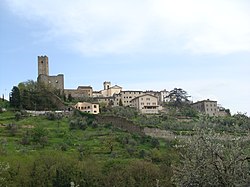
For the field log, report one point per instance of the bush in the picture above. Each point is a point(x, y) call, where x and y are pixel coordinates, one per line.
point(18, 116)
point(79, 123)
point(12, 129)
point(155, 143)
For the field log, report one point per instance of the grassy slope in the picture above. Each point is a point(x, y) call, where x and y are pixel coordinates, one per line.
point(95, 142)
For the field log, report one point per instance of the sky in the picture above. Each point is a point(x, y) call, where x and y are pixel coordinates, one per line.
point(200, 46)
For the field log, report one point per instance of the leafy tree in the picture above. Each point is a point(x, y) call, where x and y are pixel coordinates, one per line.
point(188, 111)
point(40, 136)
point(210, 160)
point(136, 173)
point(177, 97)
point(15, 100)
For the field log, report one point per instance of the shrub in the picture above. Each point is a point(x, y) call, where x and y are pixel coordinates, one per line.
point(18, 116)
point(155, 143)
point(12, 129)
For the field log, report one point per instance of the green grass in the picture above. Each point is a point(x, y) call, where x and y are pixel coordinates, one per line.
point(94, 141)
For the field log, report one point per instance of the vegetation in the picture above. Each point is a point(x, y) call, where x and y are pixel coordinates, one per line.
point(47, 151)
point(77, 149)
point(210, 159)
point(31, 95)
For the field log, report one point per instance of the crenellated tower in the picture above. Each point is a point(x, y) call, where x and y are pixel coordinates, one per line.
point(55, 81)
point(43, 65)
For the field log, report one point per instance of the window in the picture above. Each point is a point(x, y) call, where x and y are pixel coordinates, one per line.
point(142, 103)
point(141, 98)
point(88, 106)
point(94, 106)
point(148, 99)
point(94, 111)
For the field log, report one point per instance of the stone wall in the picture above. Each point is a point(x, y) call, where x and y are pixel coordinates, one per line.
point(159, 133)
point(56, 82)
point(121, 123)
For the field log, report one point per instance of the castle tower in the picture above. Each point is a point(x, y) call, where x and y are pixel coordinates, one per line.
point(43, 65)
point(106, 85)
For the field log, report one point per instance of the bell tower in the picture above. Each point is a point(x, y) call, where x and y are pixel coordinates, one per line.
point(106, 85)
point(43, 65)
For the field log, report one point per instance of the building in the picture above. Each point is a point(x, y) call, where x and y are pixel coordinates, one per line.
point(109, 90)
point(146, 104)
point(105, 101)
point(164, 96)
point(55, 82)
point(206, 107)
point(80, 92)
point(92, 108)
point(125, 97)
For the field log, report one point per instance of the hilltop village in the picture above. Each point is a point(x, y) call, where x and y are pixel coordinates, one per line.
point(146, 102)
point(54, 136)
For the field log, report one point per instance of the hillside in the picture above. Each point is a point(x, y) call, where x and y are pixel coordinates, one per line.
point(78, 139)
point(58, 149)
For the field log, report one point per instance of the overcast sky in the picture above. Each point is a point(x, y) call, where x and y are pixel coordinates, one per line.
point(201, 46)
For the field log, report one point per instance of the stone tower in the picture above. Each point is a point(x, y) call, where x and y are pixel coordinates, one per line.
point(106, 85)
point(43, 65)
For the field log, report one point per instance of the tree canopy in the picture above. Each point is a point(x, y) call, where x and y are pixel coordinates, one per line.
point(177, 97)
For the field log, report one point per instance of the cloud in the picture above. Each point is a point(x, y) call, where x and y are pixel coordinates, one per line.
point(155, 26)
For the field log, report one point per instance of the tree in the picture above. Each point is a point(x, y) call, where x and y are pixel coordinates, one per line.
point(120, 102)
point(40, 136)
point(15, 100)
point(4, 167)
point(70, 98)
point(18, 116)
point(210, 159)
point(178, 97)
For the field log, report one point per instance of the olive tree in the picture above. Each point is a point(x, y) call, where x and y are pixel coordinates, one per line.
point(211, 159)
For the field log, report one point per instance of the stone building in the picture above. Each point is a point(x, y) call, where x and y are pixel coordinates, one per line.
point(125, 97)
point(92, 108)
point(55, 82)
point(146, 104)
point(109, 90)
point(80, 92)
point(206, 107)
